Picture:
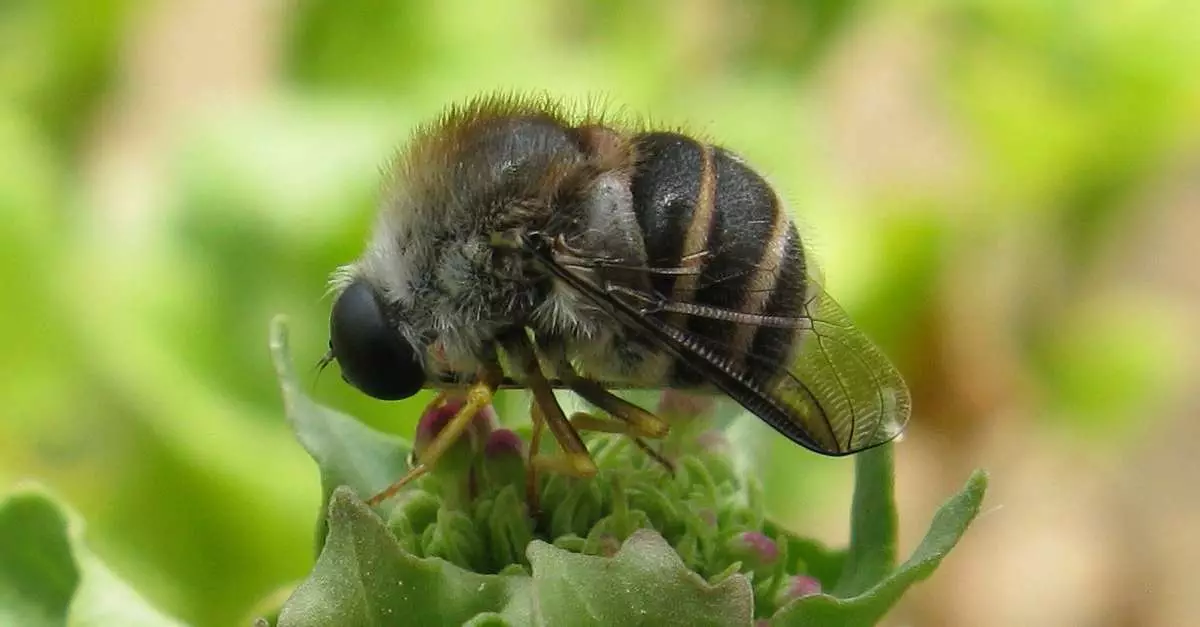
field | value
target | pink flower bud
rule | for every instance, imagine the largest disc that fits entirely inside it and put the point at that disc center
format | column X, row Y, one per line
column 504, row 459
column 441, row 410
column 504, row 442
column 798, row 586
column 755, row 550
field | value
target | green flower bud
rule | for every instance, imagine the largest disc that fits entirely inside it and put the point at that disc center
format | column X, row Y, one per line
column 508, row 527
column 454, row 538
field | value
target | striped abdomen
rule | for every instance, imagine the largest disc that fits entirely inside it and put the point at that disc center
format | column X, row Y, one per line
column 701, row 207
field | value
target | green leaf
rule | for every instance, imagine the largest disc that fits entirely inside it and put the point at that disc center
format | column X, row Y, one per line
column 363, row 577
column 38, row 575
column 868, row 608
column 873, row 523
column 47, row 576
column 645, row 583
column 347, row 452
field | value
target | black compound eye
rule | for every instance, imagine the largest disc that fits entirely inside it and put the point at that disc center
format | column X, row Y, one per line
column 373, row 357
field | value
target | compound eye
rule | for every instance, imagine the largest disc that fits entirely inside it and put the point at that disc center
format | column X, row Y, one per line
column 373, row 357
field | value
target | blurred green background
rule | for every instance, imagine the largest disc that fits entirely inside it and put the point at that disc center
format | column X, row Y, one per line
column 1005, row 193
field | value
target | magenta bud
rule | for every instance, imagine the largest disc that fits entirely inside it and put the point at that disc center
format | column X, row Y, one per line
column 764, row 546
column 503, row 442
column 755, row 549
column 439, row 414
column 435, row 418
column 504, row 458
column 798, row 586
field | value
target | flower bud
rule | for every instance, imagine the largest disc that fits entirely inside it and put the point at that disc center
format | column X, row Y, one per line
column 454, row 538
column 438, row 414
column 795, row 587
column 507, row 525
column 753, row 549
column 455, row 468
column 504, row 459
column 504, row 443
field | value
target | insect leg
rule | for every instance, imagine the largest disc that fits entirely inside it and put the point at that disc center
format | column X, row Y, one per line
column 479, row 396
column 575, row 461
column 583, row 421
column 634, row 422
column 535, row 445
column 641, row 422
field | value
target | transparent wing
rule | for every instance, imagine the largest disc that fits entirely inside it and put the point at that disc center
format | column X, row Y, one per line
column 826, row 386
column 838, row 388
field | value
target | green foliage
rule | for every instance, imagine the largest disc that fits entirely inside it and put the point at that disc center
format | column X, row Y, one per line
column 132, row 377
column 872, row 603
column 347, row 452
column 873, row 524
column 363, row 577
column 426, row 558
column 367, row 573
column 644, row 583
column 48, row 577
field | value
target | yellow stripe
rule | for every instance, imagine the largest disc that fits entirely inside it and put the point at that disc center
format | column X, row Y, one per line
column 695, row 242
column 762, row 283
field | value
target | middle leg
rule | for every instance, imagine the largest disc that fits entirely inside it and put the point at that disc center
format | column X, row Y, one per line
column 575, row 459
column 634, row 422
column 641, row 422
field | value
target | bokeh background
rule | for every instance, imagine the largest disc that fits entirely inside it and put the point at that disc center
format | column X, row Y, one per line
column 1005, row 193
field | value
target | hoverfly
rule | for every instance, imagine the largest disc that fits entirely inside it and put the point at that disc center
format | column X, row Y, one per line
column 518, row 247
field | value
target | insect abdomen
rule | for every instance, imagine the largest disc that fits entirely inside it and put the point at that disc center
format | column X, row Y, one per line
column 700, row 207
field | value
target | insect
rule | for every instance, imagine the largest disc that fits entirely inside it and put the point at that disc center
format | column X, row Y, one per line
column 518, row 246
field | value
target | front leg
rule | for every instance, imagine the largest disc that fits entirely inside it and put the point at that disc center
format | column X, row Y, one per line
column 479, row 396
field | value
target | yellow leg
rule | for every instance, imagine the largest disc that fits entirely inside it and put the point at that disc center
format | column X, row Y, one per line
column 642, row 422
column 583, row 421
column 479, row 396
column 575, row 460
column 653, row 454
column 535, row 444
